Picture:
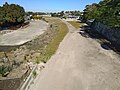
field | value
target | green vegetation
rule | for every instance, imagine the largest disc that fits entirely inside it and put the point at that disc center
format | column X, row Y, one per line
column 51, row 48
column 35, row 13
column 74, row 13
column 64, row 13
column 75, row 24
column 4, row 71
column 107, row 12
column 36, row 17
column 59, row 14
column 34, row 74
column 11, row 14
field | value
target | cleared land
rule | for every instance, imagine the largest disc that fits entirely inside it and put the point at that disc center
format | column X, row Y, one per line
column 39, row 49
column 22, row 36
column 80, row 63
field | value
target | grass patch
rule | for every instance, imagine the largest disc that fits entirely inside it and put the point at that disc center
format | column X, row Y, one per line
column 75, row 24
column 51, row 48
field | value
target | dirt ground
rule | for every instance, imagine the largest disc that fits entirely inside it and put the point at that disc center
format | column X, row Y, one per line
column 80, row 63
column 13, row 57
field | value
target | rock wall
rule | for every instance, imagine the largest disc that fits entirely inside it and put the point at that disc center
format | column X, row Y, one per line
column 112, row 34
column 9, row 84
column 13, row 83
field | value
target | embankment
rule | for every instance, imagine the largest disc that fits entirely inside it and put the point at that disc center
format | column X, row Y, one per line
column 112, row 34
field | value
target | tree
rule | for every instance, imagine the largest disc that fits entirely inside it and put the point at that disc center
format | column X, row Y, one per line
column 106, row 11
column 61, row 13
column 11, row 14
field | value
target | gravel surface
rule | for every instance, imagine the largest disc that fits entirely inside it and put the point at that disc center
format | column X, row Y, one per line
column 80, row 64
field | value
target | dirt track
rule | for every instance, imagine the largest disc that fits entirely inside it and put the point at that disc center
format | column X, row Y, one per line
column 80, row 64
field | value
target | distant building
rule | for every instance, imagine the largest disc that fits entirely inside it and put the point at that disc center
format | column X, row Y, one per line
column 73, row 17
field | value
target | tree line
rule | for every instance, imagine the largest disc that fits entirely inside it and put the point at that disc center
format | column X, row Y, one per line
column 11, row 14
column 62, row 13
column 106, row 11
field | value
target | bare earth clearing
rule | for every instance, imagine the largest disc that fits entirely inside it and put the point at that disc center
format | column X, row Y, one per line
column 22, row 36
column 80, row 64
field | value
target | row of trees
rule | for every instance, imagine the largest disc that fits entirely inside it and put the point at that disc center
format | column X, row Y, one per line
column 106, row 11
column 62, row 13
column 11, row 14
column 35, row 13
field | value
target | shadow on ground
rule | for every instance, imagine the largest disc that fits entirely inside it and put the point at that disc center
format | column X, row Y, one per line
column 8, row 48
column 87, row 32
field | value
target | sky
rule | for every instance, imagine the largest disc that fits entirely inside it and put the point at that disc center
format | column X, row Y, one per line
column 51, row 5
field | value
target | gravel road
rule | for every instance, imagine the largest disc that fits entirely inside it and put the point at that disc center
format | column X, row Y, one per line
column 22, row 36
column 80, row 64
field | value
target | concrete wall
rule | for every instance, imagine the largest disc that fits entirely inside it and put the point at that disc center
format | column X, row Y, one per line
column 9, row 84
column 12, row 83
column 112, row 34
